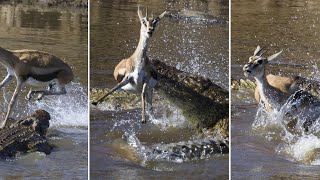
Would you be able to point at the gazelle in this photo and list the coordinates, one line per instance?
(283, 84)
(34, 68)
(136, 74)
(275, 91)
(272, 97)
(288, 84)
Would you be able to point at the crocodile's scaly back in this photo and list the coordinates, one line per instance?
(27, 135)
(202, 102)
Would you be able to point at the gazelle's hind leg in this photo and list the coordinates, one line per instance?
(143, 102)
(12, 101)
(149, 97)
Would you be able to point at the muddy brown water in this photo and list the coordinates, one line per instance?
(119, 142)
(61, 31)
(292, 26)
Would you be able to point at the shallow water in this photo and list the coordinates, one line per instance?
(61, 31)
(119, 142)
(260, 149)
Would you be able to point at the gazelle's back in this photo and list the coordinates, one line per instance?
(39, 58)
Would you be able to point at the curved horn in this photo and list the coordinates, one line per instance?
(259, 51)
(262, 52)
(147, 13)
(139, 13)
(272, 57)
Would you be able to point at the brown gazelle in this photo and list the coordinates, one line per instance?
(272, 97)
(34, 68)
(136, 74)
(283, 84)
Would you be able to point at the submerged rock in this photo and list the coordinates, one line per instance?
(26, 135)
(237, 84)
(73, 3)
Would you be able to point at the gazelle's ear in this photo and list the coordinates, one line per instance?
(272, 57)
(257, 50)
(140, 13)
(160, 16)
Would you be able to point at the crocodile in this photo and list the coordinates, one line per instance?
(178, 152)
(190, 151)
(204, 104)
(26, 135)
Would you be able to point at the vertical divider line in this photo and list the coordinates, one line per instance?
(88, 106)
(230, 101)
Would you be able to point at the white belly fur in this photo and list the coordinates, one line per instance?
(137, 86)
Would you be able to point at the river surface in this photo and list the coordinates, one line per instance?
(61, 31)
(120, 144)
(262, 148)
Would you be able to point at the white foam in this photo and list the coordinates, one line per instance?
(296, 144)
(304, 147)
(65, 110)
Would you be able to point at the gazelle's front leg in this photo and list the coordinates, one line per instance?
(6, 80)
(120, 85)
(143, 101)
(41, 93)
(40, 96)
(12, 102)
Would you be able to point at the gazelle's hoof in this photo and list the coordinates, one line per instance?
(28, 97)
(3, 125)
(144, 121)
(40, 96)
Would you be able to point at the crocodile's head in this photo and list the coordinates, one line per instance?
(39, 121)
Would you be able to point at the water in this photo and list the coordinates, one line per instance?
(120, 145)
(262, 148)
(61, 31)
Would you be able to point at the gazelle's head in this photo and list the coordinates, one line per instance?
(148, 24)
(256, 65)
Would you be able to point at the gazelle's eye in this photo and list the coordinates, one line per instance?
(260, 61)
(144, 22)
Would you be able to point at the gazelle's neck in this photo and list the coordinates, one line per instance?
(262, 81)
(7, 58)
(268, 94)
(140, 53)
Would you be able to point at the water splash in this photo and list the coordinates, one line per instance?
(65, 110)
(294, 143)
